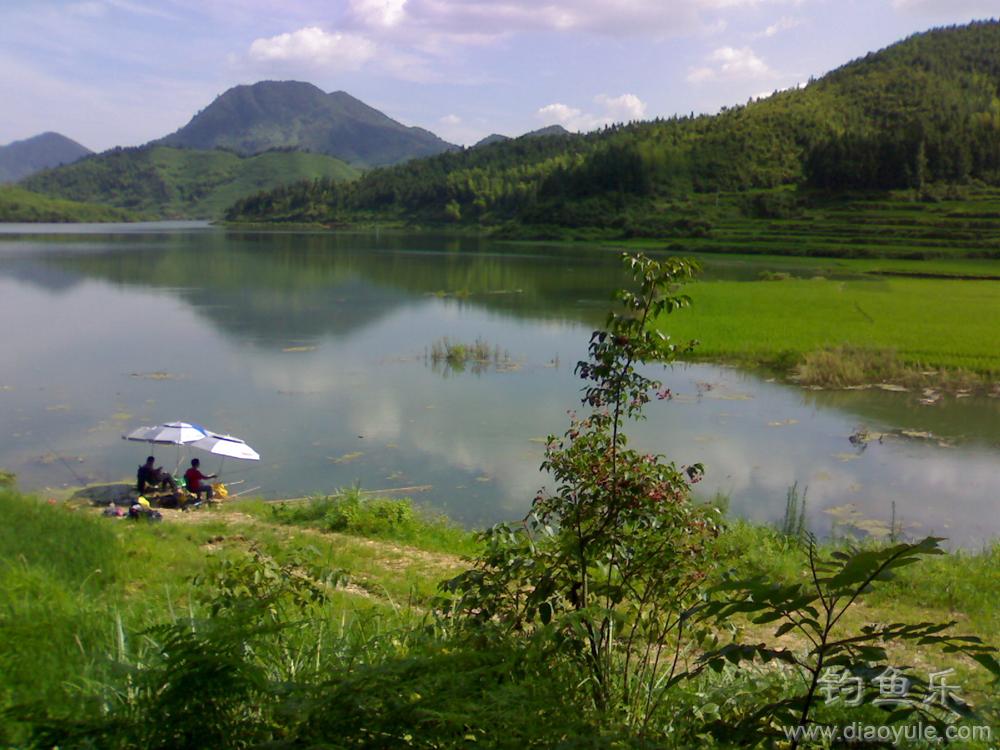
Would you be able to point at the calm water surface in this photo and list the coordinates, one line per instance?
(313, 347)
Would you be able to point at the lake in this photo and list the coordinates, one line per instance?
(314, 347)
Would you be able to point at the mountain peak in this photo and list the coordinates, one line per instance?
(20, 159)
(540, 133)
(253, 118)
(546, 131)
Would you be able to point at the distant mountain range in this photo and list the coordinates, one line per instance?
(22, 158)
(290, 114)
(251, 138)
(921, 112)
(915, 116)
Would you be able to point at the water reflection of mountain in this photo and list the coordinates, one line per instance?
(276, 290)
(50, 278)
(272, 288)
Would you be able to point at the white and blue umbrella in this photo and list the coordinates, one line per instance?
(169, 433)
(226, 446)
(192, 435)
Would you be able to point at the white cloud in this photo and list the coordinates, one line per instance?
(785, 23)
(313, 47)
(622, 108)
(615, 109)
(476, 21)
(558, 113)
(451, 120)
(417, 39)
(377, 13)
(729, 63)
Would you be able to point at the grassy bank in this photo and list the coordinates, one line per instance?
(914, 325)
(291, 624)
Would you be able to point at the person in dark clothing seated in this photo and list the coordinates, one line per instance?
(194, 480)
(150, 476)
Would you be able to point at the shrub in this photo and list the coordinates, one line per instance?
(605, 566)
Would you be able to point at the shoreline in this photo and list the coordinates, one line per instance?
(415, 517)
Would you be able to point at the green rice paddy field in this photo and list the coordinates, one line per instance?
(889, 273)
(927, 322)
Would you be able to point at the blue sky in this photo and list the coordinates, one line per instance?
(121, 72)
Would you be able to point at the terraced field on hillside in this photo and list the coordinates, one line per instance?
(896, 225)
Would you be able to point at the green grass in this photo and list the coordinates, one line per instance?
(68, 577)
(352, 512)
(963, 582)
(363, 656)
(808, 266)
(961, 586)
(20, 205)
(478, 355)
(928, 323)
(187, 183)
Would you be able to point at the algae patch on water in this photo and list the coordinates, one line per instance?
(347, 457)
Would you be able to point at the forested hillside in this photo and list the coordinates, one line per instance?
(170, 182)
(925, 110)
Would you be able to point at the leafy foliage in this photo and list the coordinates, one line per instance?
(812, 612)
(606, 564)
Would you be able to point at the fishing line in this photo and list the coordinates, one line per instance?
(79, 480)
(82, 482)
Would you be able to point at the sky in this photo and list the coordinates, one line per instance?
(122, 72)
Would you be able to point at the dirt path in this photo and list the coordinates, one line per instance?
(394, 554)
